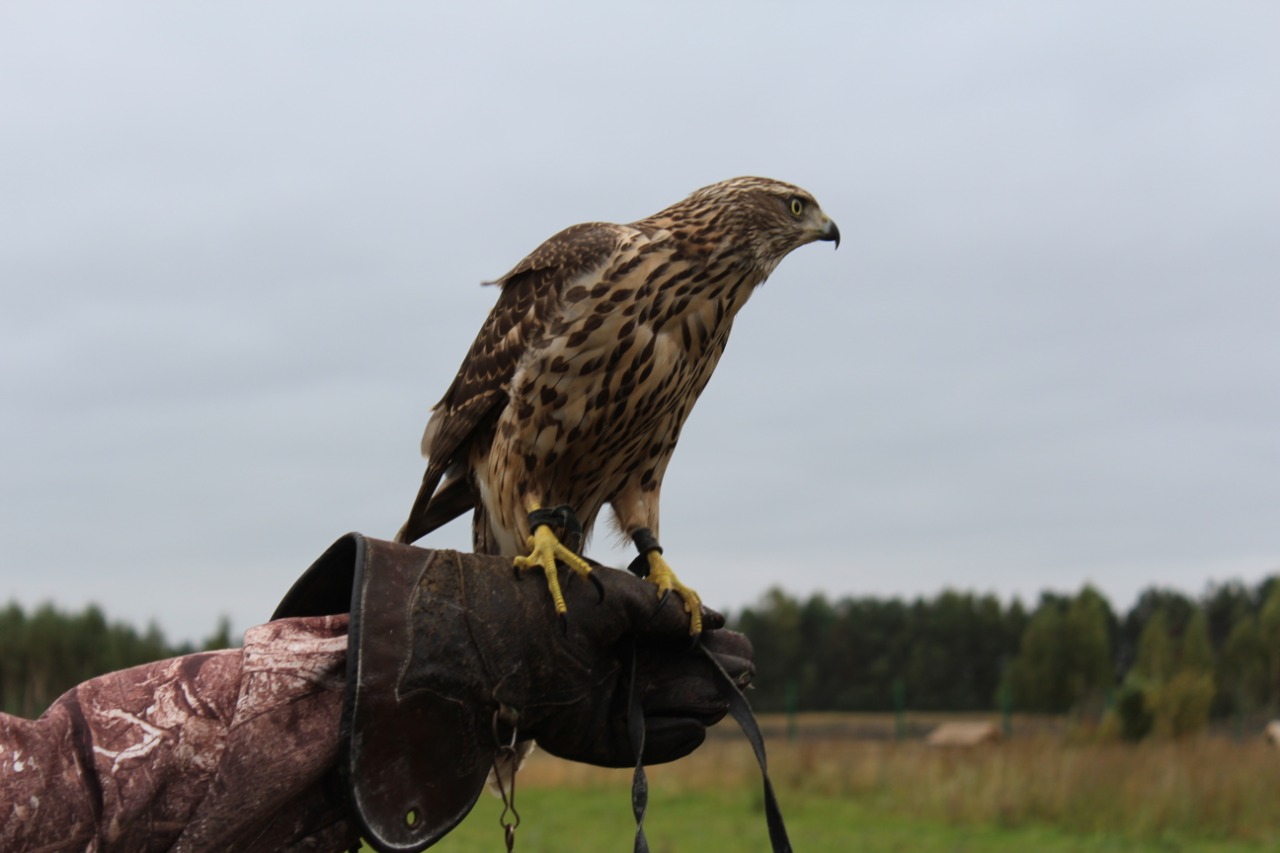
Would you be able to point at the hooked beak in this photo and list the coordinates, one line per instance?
(830, 232)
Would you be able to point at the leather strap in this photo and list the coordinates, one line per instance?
(645, 543)
(740, 708)
(639, 782)
(563, 522)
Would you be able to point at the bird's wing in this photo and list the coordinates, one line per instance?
(533, 294)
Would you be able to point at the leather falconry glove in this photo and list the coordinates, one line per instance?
(452, 657)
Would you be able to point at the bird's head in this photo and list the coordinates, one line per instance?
(767, 218)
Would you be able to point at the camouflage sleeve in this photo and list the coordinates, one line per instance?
(227, 750)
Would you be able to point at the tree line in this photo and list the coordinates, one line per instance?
(1169, 664)
(47, 651)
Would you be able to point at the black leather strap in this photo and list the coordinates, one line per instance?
(639, 782)
(645, 542)
(740, 708)
(564, 523)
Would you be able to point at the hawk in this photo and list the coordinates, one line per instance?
(575, 390)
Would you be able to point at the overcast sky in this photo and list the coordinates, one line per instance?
(241, 244)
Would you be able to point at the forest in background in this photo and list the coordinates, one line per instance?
(48, 651)
(1170, 664)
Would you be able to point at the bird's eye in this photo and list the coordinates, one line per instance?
(797, 207)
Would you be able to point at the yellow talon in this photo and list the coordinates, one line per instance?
(544, 550)
(661, 576)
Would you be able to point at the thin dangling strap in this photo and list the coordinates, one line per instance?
(639, 782)
(741, 711)
(740, 708)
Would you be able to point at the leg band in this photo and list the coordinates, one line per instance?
(563, 522)
(645, 542)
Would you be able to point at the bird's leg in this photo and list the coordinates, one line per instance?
(545, 548)
(652, 567)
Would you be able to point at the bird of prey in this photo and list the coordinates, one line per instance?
(575, 390)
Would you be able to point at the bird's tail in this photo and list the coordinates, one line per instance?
(434, 508)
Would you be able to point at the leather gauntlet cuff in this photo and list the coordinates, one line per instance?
(417, 727)
(415, 744)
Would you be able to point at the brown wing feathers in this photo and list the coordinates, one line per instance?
(530, 298)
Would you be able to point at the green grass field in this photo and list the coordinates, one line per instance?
(1042, 792)
(595, 819)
